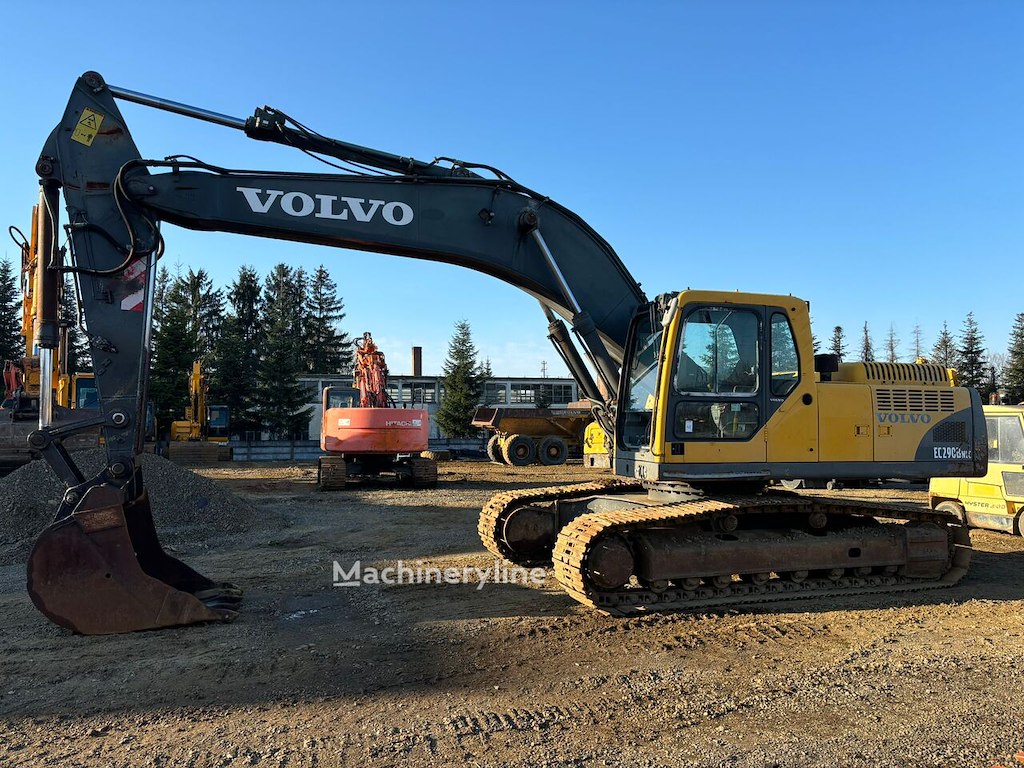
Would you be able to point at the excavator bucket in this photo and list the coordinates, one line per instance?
(101, 570)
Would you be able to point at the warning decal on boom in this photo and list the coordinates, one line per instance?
(87, 127)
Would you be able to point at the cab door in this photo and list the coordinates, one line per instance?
(791, 431)
(718, 400)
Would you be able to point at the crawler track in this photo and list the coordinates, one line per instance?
(576, 540)
(494, 513)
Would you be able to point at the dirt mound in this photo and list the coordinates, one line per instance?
(187, 507)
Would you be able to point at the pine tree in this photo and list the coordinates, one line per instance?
(163, 285)
(236, 355)
(12, 343)
(328, 348)
(867, 348)
(79, 356)
(281, 397)
(838, 345)
(970, 355)
(944, 349)
(1013, 371)
(892, 345)
(187, 316)
(205, 309)
(175, 348)
(463, 382)
(486, 374)
(918, 344)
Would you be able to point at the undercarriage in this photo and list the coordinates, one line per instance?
(624, 548)
(341, 471)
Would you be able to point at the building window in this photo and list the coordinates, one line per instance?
(422, 392)
(523, 393)
(561, 393)
(494, 394)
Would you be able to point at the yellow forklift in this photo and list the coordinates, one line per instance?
(995, 501)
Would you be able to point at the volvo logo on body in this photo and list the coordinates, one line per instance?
(904, 418)
(341, 208)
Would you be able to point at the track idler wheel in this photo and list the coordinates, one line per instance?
(610, 563)
(101, 570)
(530, 532)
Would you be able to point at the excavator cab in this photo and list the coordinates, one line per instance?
(341, 397)
(84, 394)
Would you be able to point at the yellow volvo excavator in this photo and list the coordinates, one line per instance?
(202, 436)
(707, 395)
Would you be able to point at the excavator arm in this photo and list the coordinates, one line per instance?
(116, 201)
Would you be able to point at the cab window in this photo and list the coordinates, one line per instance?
(342, 397)
(1006, 440)
(718, 375)
(785, 361)
(87, 396)
(718, 351)
(641, 383)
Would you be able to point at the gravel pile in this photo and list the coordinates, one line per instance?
(187, 508)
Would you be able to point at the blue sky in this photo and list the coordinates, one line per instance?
(866, 156)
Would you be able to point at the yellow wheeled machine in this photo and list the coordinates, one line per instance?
(597, 447)
(995, 501)
(523, 436)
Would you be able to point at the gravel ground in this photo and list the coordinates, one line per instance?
(434, 675)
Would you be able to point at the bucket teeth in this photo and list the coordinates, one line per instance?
(102, 570)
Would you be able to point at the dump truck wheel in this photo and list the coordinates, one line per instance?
(494, 449)
(953, 508)
(552, 451)
(519, 450)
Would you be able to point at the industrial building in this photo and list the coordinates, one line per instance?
(425, 392)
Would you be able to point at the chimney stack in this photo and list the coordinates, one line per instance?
(417, 361)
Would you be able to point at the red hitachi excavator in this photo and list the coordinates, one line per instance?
(686, 523)
(374, 439)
